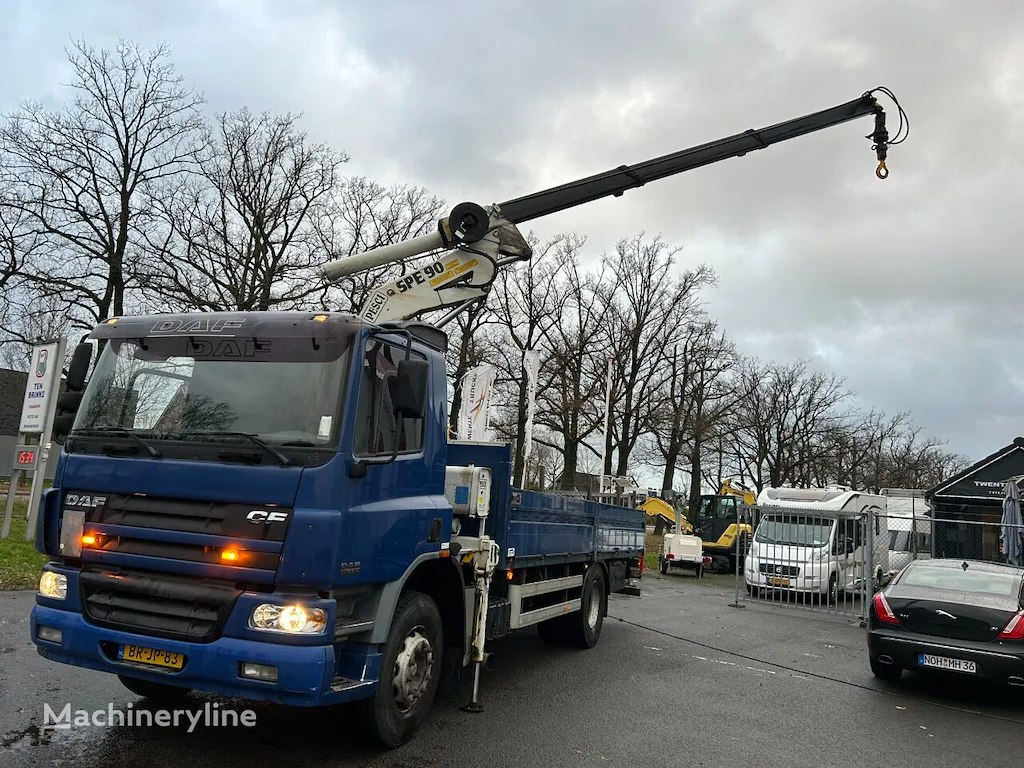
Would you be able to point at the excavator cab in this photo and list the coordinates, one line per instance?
(724, 528)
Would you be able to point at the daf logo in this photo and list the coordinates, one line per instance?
(84, 500)
(260, 516)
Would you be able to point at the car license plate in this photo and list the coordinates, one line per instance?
(152, 656)
(778, 581)
(942, 662)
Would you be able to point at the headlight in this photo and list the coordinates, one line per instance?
(293, 619)
(53, 585)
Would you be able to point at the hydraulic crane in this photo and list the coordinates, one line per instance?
(480, 240)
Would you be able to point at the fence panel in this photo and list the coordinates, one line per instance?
(808, 560)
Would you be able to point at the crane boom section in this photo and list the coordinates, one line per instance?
(618, 180)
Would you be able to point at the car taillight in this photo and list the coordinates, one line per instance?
(883, 611)
(1014, 629)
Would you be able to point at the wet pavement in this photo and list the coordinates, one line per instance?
(679, 678)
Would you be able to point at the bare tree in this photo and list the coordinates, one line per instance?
(244, 233)
(650, 304)
(571, 393)
(526, 301)
(81, 175)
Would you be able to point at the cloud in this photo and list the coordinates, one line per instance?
(908, 287)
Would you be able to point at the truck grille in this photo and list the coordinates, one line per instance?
(774, 569)
(158, 605)
(185, 516)
(138, 532)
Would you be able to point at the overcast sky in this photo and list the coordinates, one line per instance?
(910, 288)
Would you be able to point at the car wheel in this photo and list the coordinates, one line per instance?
(410, 672)
(154, 691)
(882, 671)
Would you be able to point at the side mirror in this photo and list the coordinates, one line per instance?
(69, 402)
(409, 388)
(78, 369)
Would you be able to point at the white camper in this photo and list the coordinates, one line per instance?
(910, 527)
(816, 541)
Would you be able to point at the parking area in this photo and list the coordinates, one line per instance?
(679, 678)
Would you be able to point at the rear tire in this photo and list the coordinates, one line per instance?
(888, 672)
(153, 691)
(581, 628)
(410, 672)
(585, 625)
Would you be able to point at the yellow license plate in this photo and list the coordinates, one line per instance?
(157, 658)
(778, 581)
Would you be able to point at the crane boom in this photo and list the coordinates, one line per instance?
(486, 238)
(626, 177)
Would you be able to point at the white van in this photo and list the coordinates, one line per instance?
(910, 527)
(814, 541)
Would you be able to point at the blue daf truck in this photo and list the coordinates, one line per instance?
(267, 505)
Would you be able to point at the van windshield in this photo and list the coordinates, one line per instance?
(804, 531)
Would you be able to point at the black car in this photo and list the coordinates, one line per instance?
(959, 616)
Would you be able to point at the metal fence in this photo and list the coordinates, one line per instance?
(827, 562)
(834, 562)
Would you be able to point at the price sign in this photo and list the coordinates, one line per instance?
(26, 457)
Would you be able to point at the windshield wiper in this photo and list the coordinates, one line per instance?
(254, 439)
(119, 431)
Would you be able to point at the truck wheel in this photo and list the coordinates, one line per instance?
(154, 691)
(585, 625)
(663, 565)
(410, 671)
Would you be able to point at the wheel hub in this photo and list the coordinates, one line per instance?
(413, 668)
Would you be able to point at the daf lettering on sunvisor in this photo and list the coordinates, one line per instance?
(82, 500)
(260, 516)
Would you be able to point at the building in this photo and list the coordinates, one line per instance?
(974, 496)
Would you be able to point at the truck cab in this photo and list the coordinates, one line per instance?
(262, 505)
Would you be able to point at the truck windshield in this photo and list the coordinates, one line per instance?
(801, 531)
(282, 391)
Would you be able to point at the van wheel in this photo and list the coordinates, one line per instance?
(410, 672)
(153, 691)
(833, 590)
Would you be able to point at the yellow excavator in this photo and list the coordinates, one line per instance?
(723, 526)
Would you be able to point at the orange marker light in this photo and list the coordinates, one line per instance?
(89, 540)
(321, 318)
(509, 575)
(229, 555)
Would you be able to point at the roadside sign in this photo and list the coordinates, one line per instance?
(43, 377)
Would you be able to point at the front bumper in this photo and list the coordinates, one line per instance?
(810, 579)
(306, 674)
(996, 661)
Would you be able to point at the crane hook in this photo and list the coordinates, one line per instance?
(881, 171)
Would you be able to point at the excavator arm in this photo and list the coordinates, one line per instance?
(481, 240)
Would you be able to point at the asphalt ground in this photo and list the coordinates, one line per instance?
(678, 679)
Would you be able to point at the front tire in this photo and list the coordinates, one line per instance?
(888, 672)
(410, 672)
(153, 691)
(832, 596)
